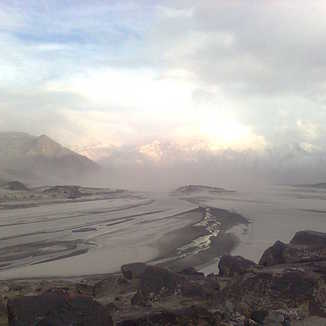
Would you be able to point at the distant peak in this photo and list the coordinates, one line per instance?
(44, 145)
(45, 138)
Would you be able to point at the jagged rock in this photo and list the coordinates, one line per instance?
(230, 266)
(309, 238)
(274, 317)
(157, 282)
(250, 322)
(111, 307)
(57, 308)
(306, 246)
(139, 299)
(310, 321)
(192, 272)
(195, 290)
(273, 255)
(134, 270)
(84, 288)
(259, 316)
(271, 318)
(285, 289)
(244, 294)
(160, 281)
(112, 284)
(213, 277)
(190, 316)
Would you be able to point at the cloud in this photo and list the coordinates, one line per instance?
(257, 47)
(210, 75)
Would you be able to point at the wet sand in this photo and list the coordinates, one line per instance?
(86, 240)
(92, 238)
(42, 241)
(201, 243)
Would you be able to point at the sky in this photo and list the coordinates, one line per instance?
(165, 76)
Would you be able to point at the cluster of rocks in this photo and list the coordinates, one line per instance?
(287, 287)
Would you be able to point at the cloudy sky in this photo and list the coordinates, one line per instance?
(199, 74)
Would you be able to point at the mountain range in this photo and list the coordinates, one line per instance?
(35, 158)
(39, 159)
(170, 164)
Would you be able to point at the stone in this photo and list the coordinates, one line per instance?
(259, 316)
(111, 307)
(161, 281)
(273, 255)
(231, 266)
(274, 317)
(57, 308)
(134, 270)
(309, 238)
(192, 316)
(305, 247)
(271, 318)
(192, 272)
(110, 285)
(139, 299)
(266, 289)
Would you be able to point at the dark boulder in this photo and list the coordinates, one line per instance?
(139, 299)
(259, 316)
(305, 247)
(159, 280)
(111, 285)
(270, 318)
(265, 290)
(184, 317)
(111, 307)
(134, 270)
(192, 272)
(57, 308)
(196, 290)
(231, 266)
(309, 238)
(273, 255)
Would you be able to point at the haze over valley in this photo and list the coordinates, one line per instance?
(40, 160)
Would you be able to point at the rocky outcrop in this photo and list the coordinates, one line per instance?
(309, 238)
(157, 280)
(306, 246)
(57, 308)
(190, 316)
(288, 288)
(273, 255)
(192, 272)
(271, 318)
(230, 266)
(134, 270)
(283, 290)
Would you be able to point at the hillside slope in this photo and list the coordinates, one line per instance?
(30, 158)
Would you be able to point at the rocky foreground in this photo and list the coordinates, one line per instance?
(287, 287)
